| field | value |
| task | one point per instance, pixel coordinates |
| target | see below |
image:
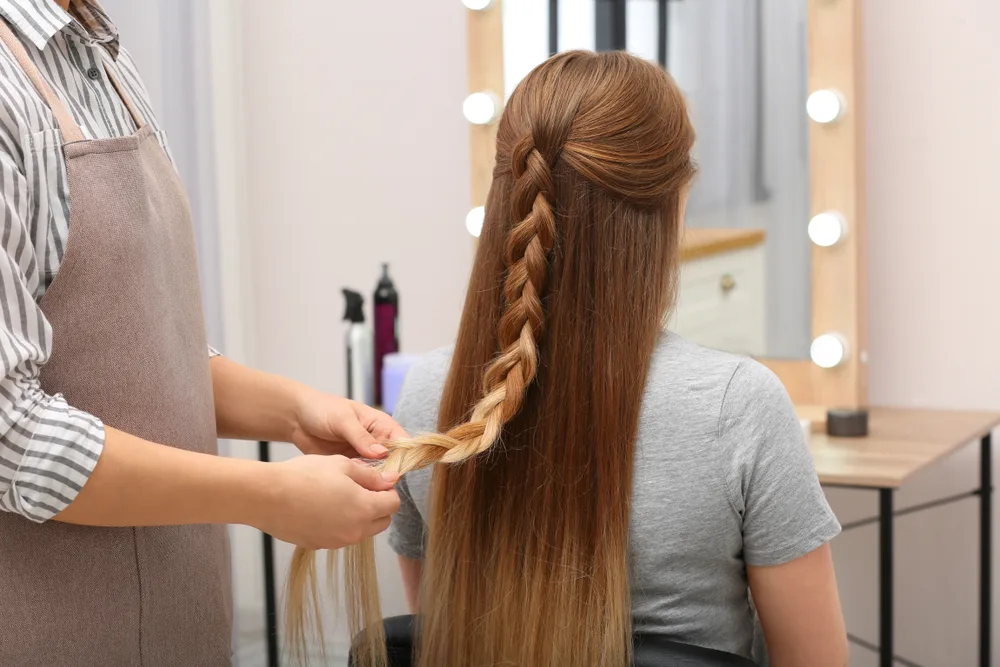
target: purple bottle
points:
(386, 325)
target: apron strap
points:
(126, 99)
(70, 130)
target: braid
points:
(615, 131)
(508, 377)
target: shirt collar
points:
(40, 20)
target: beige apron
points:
(129, 347)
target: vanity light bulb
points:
(825, 106)
(480, 108)
(829, 350)
(827, 229)
(474, 220)
(477, 5)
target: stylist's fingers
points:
(389, 430)
(380, 424)
(369, 478)
(384, 503)
(378, 526)
(363, 442)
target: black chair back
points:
(649, 650)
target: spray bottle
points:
(360, 385)
(386, 325)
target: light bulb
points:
(474, 220)
(480, 108)
(477, 5)
(827, 228)
(829, 350)
(825, 106)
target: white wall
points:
(933, 170)
(357, 153)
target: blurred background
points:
(319, 139)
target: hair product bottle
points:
(360, 376)
(386, 325)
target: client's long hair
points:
(575, 273)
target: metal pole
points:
(553, 27)
(620, 40)
(985, 548)
(885, 578)
(662, 33)
(270, 596)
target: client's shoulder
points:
(684, 368)
(417, 407)
(690, 379)
(690, 389)
(432, 367)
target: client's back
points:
(587, 455)
(722, 479)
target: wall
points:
(356, 153)
(933, 169)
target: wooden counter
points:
(697, 243)
(899, 443)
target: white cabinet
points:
(721, 303)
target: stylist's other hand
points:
(327, 502)
(327, 424)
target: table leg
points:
(270, 592)
(985, 548)
(885, 578)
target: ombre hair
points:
(576, 271)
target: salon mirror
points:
(746, 275)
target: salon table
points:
(900, 442)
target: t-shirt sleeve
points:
(406, 533)
(771, 476)
(416, 412)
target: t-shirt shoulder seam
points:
(731, 495)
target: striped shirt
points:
(48, 449)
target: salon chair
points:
(649, 651)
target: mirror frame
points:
(837, 183)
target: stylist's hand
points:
(327, 502)
(328, 424)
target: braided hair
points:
(593, 153)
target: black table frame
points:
(270, 591)
(885, 519)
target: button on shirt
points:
(48, 449)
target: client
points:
(596, 475)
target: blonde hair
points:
(529, 541)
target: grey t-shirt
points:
(723, 479)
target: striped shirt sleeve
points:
(47, 448)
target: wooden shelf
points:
(698, 243)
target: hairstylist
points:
(111, 405)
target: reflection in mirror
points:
(746, 279)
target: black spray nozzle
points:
(355, 311)
(385, 291)
(385, 281)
